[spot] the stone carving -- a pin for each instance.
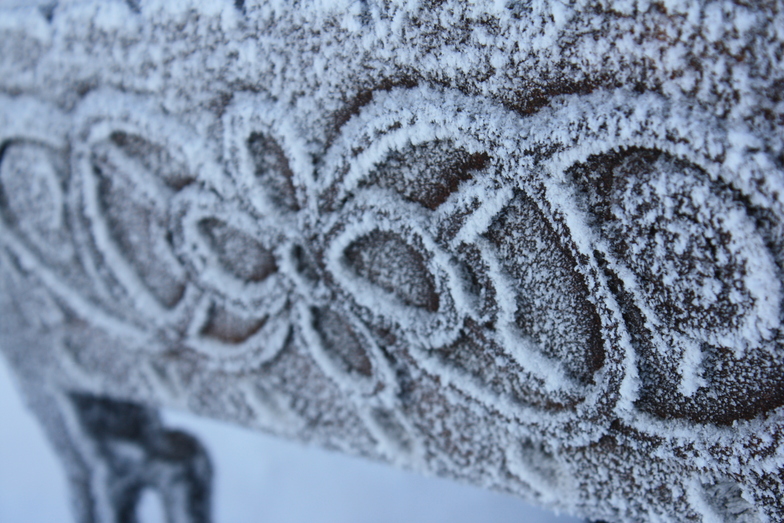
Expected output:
(569, 290)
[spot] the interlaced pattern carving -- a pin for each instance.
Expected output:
(577, 298)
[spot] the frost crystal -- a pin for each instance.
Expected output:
(533, 245)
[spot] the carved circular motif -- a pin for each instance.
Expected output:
(565, 280)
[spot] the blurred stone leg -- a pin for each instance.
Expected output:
(180, 470)
(114, 450)
(132, 451)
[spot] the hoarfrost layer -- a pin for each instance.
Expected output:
(530, 245)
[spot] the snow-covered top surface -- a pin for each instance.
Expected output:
(531, 245)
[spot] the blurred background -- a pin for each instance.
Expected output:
(257, 478)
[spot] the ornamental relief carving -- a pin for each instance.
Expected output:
(557, 248)
(556, 277)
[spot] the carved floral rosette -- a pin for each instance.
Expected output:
(523, 300)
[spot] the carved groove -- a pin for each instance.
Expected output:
(388, 261)
(428, 173)
(153, 157)
(341, 343)
(229, 328)
(486, 364)
(273, 170)
(239, 253)
(138, 225)
(552, 302)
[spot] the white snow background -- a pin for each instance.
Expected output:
(257, 478)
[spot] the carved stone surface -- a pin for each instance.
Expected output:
(533, 246)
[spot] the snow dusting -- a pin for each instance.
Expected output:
(537, 246)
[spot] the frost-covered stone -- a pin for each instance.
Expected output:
(530, 245)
